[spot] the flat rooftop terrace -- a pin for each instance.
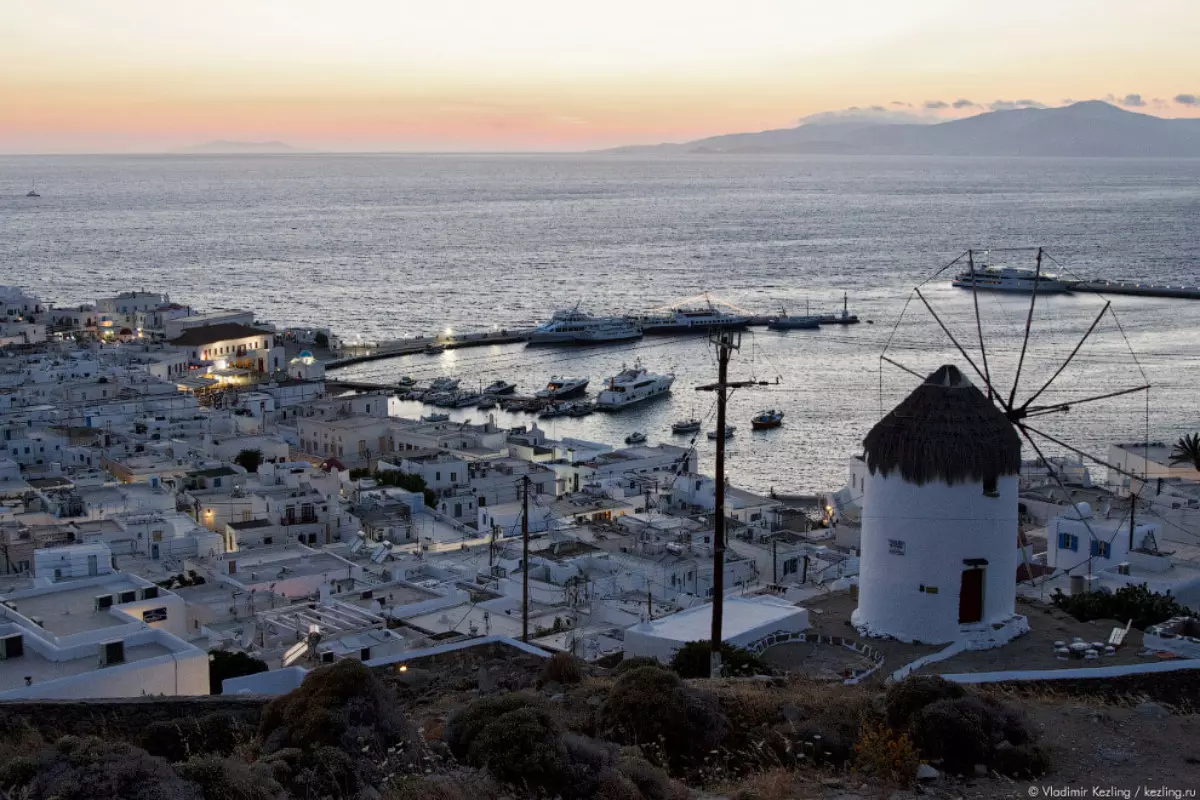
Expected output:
(14, 670)
(73, 610)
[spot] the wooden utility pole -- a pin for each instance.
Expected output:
(525, 559)
(726, 343)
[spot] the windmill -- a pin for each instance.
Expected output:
(1018, 398)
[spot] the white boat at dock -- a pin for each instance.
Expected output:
(699, 319)
(573, 326)
(436, 418)
(560, 387)
(633, 385)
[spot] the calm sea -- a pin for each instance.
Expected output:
(384, 246)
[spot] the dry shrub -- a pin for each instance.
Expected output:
(465, 725)
(462, 784)
(969, 730)
(887, 754)
(750, 704)
(630, 664)
(230, 778)
(774, 784)
(562, 668)
(905, 698)
(87, 768)
(181, 738)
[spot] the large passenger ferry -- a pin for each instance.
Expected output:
(573, 326)
(1009, 279)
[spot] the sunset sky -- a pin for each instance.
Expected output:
(152, 75)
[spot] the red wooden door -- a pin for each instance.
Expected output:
(970, 598)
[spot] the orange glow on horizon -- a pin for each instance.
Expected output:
(364, 75)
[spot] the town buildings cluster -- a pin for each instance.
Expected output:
(174, 483)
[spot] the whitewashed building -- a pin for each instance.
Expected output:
(939, 517)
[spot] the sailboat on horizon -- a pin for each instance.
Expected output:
(33, 192)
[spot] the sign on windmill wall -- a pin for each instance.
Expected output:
(896, 547)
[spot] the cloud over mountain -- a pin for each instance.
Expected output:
(936, 104)
(1132, 101)
(1008, 105)
(1187, 99)
(963, 102)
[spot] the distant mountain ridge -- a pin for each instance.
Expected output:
(1091, 128)
(231, 147)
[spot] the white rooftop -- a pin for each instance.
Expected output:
(741, 615)
(67, 611)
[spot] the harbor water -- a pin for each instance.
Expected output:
(391, 246)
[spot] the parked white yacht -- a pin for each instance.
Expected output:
(573, 326)
(1009, 279)
(691, 320)
(633, 385)
(560, 387)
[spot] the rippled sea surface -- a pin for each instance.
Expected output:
(387, 246)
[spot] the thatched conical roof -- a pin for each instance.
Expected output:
(945, 430)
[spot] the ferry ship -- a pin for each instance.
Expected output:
(1009, 279)
(691, 320)
(633, 385)
(576, 327)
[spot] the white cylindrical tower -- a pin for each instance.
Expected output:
(939, 515)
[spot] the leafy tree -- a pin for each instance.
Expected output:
(694, 659)
(249, 460)
(408, 482)
(223, 664)
(1187, 451)
(1138, 603)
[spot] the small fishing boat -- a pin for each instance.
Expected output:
(434, 349)
(729, 430)
(686, 426)
(444, 384)
(635, 438)
(786, 322)
(500, 387)
(486, 402)
(555, 410)
(436, 418)
(406, 381)
(33, 192)
(771, 418)
(464, 399)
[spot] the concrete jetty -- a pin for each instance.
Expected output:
(1142, 289)
(356, 354)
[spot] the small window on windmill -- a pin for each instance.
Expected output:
(991, 486)
(896, 547)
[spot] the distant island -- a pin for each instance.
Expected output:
(229, 147)
(1092, 128)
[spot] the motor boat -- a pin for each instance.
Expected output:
(686, 426)
(444, 384)
(434, 349)
(581, 409)
(436, 418)
(786, 322)
(406, 381)
(555, 410)
(631, 386)
(466, 399)
(560, 387)
(573, 326)
(485, 402)
(691, 320)
(500, 387)
(635, 438)
(771, 418)
(729, 431)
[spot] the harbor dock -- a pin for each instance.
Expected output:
(357, 354)
(1142, 289)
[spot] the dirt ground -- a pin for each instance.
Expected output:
(831, 615)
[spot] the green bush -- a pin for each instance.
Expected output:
(223, 664)
(1144, 607)
(968, 730)
(652, 707)
(181, 738)
(87, 768)
(249, 460)
(630, 664)
(230, 778)
(694, 660)
(905, 698)
(562, 668)
(465, 725)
